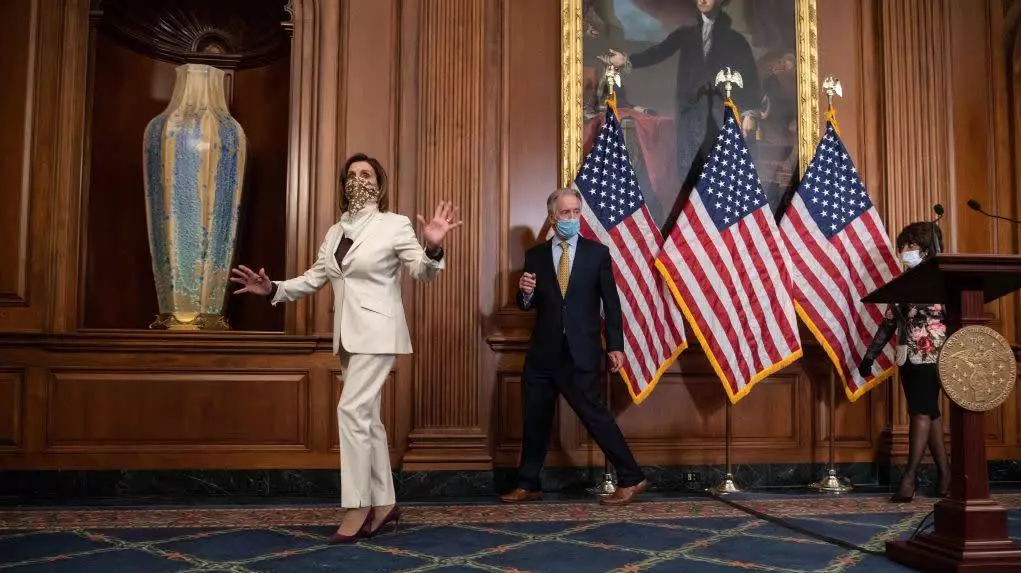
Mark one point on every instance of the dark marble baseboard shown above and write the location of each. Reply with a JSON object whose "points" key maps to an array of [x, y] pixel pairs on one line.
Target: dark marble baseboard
{"points": [[255, 486], [697, 478]]}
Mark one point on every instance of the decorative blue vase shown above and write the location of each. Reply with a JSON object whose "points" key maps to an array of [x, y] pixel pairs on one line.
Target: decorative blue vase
{"points": [[194, 155]]}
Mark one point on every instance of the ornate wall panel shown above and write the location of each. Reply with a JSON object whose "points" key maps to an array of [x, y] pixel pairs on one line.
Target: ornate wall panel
{"points": [[29, 148], [945, 142], [12, 392], [173, 411], [17, 65], [450, 134], [460, 100]]}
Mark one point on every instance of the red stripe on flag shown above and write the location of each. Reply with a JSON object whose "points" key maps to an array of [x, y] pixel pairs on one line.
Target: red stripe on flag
{"points": [[790, 331], [658, 307], [758, 313], [878, 234], [859, 255], [632, 314], [654, 343], [831, 273], [710, 335], [742, 369]]}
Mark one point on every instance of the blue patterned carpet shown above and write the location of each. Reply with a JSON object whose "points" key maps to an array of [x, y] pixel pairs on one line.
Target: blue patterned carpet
{"points": [[700, 535]]}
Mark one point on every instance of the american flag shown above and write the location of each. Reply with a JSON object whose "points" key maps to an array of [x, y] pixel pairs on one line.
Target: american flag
{"points": [[614, 213], [840, 252], [727, 267]]}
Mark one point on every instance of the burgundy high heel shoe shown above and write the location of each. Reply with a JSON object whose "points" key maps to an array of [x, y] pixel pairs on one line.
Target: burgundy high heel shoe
{"points": [[341, 538], [394, 515]]}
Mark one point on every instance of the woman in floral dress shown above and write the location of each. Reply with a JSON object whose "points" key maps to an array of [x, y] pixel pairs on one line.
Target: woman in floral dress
{"points": [[921, 330]]}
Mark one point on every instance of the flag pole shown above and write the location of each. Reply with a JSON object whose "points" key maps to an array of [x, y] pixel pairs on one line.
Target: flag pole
{"points": [[831, 482], [728, 78], [607, 486], [728, 485]]}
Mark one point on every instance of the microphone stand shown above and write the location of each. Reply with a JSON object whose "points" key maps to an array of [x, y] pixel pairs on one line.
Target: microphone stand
{"points": [[933, 241], [992, 215]]}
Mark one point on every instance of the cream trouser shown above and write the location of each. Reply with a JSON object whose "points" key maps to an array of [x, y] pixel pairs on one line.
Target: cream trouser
{"points": [[365, 478]]}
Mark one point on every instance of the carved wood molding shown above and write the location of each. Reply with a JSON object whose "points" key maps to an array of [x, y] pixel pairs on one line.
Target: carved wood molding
{"points": [[314, 89], [38, 97], [915, 48], [140, 341], [1012, 17], [916, 133], [451, 134], [176, 410], [231, 34], [943, 133], [12, 392]]}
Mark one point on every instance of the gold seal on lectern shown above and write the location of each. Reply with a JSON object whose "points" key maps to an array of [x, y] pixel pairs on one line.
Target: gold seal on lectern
{"points": [[977, 368]]}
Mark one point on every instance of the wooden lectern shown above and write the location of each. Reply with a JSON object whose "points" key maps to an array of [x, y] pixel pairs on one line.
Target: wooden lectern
{"points": [[970, 529]]}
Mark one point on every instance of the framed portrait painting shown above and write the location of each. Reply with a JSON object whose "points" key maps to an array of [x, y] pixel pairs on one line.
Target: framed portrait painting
{"points": [[668, 53]]}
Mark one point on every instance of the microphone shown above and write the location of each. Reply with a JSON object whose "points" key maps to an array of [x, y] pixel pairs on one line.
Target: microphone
{"points": [[976, 206], [933, 241]]}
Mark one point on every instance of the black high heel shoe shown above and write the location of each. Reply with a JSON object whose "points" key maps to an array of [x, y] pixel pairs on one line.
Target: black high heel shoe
{"points": [[394, 516], [338, 537], [945, 492], [898, 498]]}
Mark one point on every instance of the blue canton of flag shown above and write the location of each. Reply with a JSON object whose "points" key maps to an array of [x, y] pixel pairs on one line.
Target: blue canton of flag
{"points": [[607, 180], [833, 193], [728, 181]]}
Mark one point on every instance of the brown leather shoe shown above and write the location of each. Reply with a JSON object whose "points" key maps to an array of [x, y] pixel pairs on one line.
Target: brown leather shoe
{"points": [[521, 495], [625, 495]]}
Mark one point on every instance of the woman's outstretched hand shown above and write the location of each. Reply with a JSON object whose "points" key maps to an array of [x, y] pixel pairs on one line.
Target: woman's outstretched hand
{"points": [[444, 220], [252, 282]]}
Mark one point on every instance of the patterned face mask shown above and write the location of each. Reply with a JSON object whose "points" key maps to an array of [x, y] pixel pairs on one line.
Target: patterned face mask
{"points": [[360, 192]]}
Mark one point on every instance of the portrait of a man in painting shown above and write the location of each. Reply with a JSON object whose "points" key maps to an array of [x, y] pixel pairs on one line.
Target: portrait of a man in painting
{"points": [[669, 53]]}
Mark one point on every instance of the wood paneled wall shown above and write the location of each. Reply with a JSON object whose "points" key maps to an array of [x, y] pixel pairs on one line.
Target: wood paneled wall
{"points": [[460, 100]]}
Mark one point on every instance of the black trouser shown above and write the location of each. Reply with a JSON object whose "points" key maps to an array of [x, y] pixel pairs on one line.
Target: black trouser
{"points": [[581, 389]]}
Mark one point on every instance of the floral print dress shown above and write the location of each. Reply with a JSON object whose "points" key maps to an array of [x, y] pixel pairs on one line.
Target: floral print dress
{"points": [[922, 331]]}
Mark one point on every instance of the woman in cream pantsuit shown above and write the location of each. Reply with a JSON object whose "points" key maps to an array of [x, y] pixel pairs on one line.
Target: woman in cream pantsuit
{"points": [[362, 256]]}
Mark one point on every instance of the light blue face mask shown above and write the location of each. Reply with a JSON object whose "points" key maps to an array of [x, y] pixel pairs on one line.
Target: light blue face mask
{"points": [[911, 258], [568, 228]]}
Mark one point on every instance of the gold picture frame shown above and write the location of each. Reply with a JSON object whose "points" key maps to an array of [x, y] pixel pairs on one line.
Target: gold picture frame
{"points": [[571, 85]]}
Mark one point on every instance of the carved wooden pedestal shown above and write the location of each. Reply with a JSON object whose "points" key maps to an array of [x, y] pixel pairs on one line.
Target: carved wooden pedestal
{"points": [[970, 531]]}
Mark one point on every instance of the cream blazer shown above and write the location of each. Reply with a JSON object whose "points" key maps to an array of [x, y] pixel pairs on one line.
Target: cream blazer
{"points": [[368, 316]]}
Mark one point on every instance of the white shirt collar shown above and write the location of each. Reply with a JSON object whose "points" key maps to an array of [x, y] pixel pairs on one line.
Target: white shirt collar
{"points": [[573, 241]]}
